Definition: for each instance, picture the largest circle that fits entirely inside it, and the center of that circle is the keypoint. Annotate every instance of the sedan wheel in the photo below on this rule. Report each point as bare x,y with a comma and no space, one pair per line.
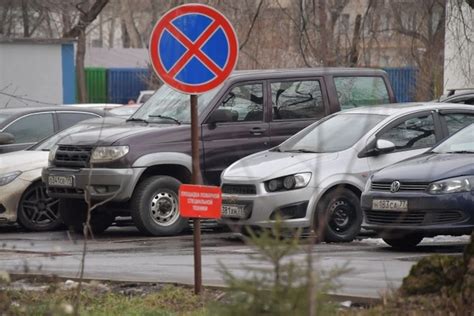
37,211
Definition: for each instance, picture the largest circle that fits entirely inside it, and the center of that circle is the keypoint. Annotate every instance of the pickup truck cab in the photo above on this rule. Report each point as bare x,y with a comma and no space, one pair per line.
137,168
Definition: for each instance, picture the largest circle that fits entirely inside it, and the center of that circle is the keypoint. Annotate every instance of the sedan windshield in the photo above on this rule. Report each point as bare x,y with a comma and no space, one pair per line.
337,133
461,142
170,106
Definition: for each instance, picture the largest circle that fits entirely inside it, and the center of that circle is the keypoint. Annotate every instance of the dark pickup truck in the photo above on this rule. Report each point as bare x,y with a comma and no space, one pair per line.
136,168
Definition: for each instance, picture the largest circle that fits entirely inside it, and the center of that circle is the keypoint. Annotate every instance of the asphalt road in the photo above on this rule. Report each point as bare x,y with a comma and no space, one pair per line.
122,254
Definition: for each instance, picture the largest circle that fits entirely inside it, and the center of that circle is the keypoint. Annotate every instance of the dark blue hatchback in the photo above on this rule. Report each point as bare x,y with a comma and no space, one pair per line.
428,195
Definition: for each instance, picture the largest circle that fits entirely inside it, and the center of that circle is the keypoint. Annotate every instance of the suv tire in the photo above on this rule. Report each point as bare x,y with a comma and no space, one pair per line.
155,207
74,214
37,211
339,216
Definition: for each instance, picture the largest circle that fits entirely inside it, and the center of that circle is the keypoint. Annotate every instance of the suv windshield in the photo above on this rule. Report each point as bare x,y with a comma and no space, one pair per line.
461,142
337,133
167,103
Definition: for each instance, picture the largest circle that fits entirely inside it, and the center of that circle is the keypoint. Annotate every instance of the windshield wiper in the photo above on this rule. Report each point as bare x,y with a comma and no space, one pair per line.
167,118
301,150
134,119
460,152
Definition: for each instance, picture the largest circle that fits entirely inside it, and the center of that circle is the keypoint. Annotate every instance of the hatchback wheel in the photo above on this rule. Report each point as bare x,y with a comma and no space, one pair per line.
37,211
339,216
155,207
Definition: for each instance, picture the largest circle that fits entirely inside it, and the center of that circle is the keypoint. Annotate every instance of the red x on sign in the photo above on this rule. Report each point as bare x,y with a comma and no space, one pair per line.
193,48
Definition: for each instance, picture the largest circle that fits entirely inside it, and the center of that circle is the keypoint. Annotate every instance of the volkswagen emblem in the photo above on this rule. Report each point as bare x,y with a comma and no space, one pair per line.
395,186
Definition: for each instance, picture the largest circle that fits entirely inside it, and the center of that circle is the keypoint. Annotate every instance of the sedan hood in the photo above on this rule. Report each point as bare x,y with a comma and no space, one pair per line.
271,164
428,168
24,160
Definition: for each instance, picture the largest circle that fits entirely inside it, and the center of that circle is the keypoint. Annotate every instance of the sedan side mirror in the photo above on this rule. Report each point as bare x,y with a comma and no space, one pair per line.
6,138
384,146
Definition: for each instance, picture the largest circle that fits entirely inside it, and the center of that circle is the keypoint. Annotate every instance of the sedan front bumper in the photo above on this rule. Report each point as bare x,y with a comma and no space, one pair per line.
431,215
10,198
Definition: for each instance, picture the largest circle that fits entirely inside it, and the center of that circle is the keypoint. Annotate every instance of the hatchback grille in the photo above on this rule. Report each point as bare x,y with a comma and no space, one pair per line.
385,186
244,189
72,156
415,218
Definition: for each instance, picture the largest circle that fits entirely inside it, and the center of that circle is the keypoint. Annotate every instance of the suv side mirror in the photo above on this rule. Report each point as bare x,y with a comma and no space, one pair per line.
219,116
6,138
384,146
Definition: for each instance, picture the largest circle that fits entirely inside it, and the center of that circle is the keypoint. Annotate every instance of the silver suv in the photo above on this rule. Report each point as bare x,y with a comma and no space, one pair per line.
316,177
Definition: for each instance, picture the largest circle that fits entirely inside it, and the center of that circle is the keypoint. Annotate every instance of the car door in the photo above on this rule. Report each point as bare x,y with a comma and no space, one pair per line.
242,132
295,103
67,119
412,135
453,120
28,130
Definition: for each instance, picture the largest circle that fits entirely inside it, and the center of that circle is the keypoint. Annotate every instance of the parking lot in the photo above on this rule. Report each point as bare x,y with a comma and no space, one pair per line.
123,254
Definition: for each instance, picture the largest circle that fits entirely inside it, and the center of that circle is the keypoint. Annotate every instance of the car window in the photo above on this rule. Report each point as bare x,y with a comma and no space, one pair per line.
32,128
359,91
297,100
457,121
244,102
414,133
69,119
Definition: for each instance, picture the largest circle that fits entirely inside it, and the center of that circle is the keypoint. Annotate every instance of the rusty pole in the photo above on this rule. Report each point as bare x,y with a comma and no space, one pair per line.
196,179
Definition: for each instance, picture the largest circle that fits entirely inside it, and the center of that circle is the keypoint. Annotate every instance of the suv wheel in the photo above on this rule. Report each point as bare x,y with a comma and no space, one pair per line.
37,211
404,242
155,207
339,216
74,214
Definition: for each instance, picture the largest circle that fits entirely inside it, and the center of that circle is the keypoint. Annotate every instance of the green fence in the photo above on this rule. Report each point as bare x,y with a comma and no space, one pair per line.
96,82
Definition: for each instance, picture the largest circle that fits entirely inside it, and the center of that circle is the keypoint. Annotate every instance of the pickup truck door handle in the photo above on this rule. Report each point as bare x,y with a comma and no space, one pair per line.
257,131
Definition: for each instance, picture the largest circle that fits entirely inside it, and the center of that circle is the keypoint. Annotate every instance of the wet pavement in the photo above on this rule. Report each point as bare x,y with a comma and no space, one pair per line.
123,254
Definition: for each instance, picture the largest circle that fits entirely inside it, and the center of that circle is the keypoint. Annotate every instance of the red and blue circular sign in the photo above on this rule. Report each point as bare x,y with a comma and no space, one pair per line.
193,48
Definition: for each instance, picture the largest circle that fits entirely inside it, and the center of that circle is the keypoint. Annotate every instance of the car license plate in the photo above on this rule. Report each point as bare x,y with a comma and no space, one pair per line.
60,181
233,210
390,205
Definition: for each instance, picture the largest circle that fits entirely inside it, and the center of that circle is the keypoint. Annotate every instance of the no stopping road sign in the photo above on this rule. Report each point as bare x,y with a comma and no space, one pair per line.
193,48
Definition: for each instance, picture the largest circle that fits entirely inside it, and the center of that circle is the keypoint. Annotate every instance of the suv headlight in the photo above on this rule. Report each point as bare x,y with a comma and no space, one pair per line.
108,153
6,178
291,182
52,153
368,184
453,185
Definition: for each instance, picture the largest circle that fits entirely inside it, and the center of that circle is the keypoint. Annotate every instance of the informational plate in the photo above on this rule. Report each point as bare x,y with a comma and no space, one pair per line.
390,205
61,181
233,210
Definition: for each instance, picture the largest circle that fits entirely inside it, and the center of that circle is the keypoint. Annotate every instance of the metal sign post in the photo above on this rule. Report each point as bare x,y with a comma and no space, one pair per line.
193,49
196,179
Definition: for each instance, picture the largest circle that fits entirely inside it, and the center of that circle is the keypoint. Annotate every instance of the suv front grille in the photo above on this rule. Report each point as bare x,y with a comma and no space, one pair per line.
385,186
72,156
243,189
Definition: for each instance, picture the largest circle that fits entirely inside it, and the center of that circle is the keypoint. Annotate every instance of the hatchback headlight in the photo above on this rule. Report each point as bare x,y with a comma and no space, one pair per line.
453,185
291,182
6,178
108,153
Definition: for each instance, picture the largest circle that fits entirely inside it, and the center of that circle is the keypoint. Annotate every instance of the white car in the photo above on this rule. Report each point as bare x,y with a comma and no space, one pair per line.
23,196
315,178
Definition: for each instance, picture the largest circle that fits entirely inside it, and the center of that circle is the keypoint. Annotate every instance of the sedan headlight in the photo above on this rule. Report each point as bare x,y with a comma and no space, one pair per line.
453,185
6,178
108,153
291,182
52,153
